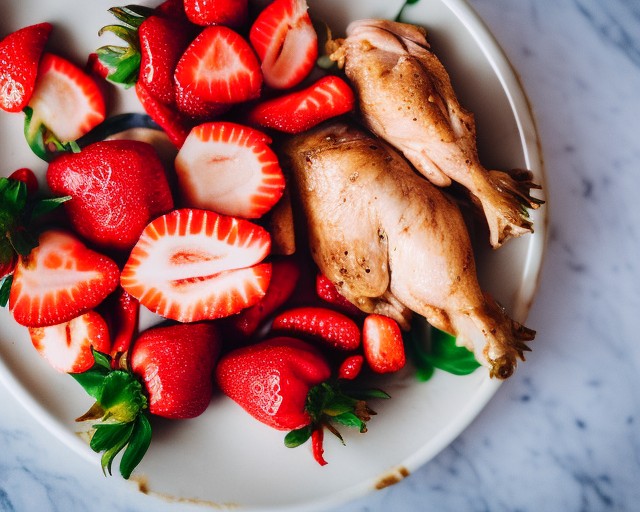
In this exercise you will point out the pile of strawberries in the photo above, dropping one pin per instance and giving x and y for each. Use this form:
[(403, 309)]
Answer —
[(190, 243)]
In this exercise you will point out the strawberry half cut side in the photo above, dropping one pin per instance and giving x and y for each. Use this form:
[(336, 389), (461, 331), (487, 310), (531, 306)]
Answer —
[(20, 54), (229, 168), (60, 279), (192, 265), (286, 42)]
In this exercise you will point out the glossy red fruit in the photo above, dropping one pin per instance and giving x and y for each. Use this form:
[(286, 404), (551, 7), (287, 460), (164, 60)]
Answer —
[(324, 325), (231, 13), (176, 364), (351, 367), (219, 66), (230, 169), (28, 177), (383, 344), (66, 100), (327, 291), (192, 265), (67, 347), (298, 111), (286, 42), (20, 54), (59, 280), (117, 187), (124, 313), (284, 278), (271, 380)]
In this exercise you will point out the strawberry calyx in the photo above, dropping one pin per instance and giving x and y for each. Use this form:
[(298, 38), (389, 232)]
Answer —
[(329, 404), (18, 210), (123, 62), (120, 414), (42, 141)]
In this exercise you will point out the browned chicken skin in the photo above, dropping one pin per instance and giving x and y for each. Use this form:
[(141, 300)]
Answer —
[(406, 98), (393, 243)]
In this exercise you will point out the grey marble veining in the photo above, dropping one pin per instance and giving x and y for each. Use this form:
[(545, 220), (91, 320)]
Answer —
[(564, 433)]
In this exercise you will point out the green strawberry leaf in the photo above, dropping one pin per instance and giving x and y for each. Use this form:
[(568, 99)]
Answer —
[(44, 206), (107, 435), (5, 288), (349, 419), (116, 447), (122, 397), (298, 436), (139, 443)]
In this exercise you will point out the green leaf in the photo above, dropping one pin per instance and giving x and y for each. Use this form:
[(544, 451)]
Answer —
[(93, 380), (349, 419), (110, 454), (35, 134), (44, 206), (107, 435), (22, 241), (298, 436), (5, 288), (122, 397), (138, 445)]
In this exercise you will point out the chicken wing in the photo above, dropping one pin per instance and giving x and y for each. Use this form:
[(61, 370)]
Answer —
[(394, 244), (406, 98)]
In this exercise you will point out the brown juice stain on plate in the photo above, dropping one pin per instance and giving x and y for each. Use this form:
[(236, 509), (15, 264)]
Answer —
[(392, 478)]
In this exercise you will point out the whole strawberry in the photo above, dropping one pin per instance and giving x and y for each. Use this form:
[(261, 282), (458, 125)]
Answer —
[(116, 188), (169, 374), (284, 383)]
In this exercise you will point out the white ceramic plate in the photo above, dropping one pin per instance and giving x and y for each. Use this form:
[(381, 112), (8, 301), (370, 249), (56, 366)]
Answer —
[(225, 458)]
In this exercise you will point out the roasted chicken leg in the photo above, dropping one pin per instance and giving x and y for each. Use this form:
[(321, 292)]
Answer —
[(393, 243), (406, 98)]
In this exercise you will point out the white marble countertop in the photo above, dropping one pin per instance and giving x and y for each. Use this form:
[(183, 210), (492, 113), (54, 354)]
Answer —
[(563, 433)]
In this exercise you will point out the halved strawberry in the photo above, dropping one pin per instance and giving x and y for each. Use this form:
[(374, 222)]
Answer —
[(174, 123), (383, 344), (219, 66), (230, 169), (298, 111), (325, 325), (59, 280), (286, 42), (67, 346), (66, 102), (231, 13), (192, 265), (20, 54)]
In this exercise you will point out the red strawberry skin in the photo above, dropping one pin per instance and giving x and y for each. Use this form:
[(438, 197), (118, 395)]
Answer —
[(219, 66), (298, 111), (383, 344), (59, 280), (176, 364), (117, 187), (325, 325), (271, 380), (231, 13), (67, 346), (20, 54)]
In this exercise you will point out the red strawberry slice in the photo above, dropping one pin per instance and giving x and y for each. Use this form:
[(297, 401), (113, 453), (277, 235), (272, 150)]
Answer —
[(162, 43), (231, 13), (192, 265), (298, 111), (116, 188), (383, 344), (20, 54), (59, 280), (322, 324), (67, 346), (176, 364), (286, 42), (66, 100), (229, 168), (219, 66), (174, 123)]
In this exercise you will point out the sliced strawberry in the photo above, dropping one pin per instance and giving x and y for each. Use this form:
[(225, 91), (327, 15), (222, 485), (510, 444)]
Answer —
[(162, 43), (20, 54), (321, 324), (228, 168), (284, 278), (198, 108), (298, 111), (219, 66), (174, 123), (59, 280), (124, 313), (67, 346), (66, 100), (192, 265), (231, 13), (383, 344), (286, 42)]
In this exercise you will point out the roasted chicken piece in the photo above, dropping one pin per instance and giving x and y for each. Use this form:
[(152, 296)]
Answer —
[(393, 243), (406, 98)]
